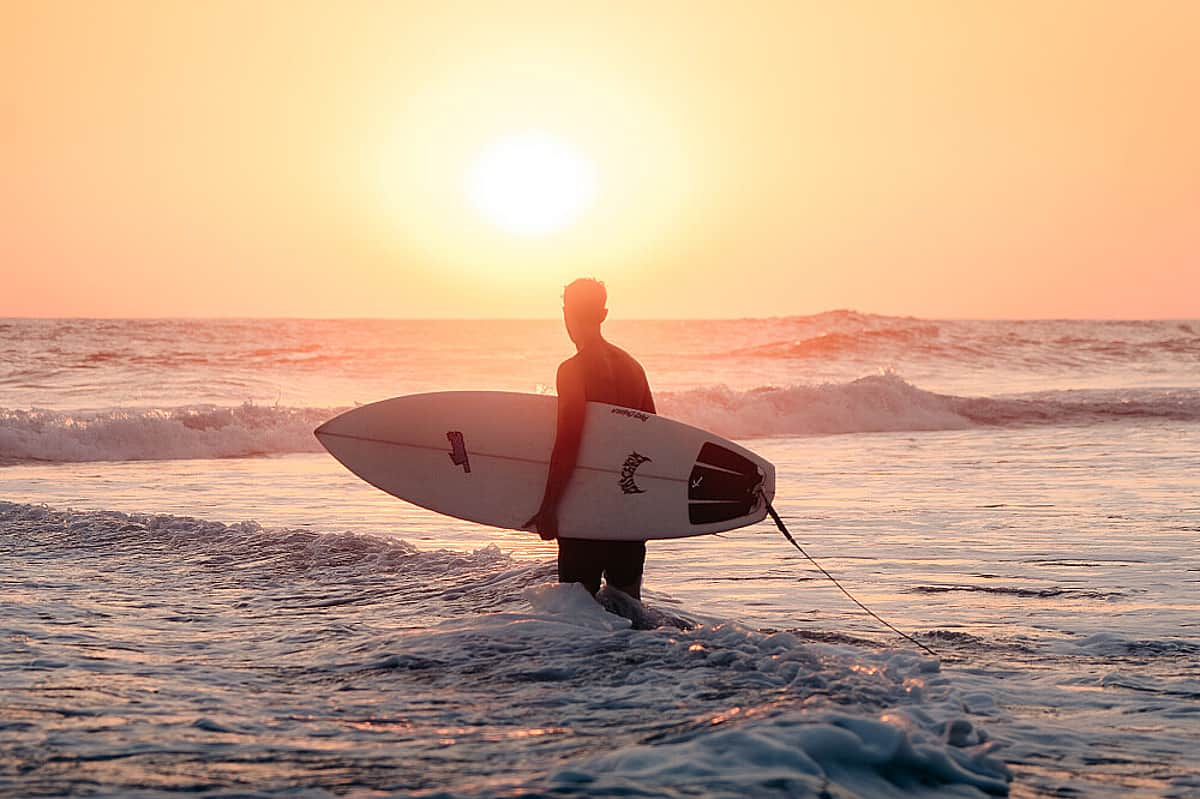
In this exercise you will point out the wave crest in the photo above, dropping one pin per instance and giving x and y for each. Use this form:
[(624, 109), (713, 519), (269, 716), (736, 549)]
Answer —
[(835, 343), (879, 403)]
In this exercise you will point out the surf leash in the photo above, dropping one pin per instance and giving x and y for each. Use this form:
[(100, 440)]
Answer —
[(783, 529)]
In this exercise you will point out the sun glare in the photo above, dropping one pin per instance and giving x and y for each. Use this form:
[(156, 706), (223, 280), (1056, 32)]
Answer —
[(531, 184)]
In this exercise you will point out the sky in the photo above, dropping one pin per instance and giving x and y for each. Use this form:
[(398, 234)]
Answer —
[(310, 159)]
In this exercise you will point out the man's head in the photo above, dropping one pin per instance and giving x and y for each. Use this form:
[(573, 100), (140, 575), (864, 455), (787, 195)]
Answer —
[(584, 308)]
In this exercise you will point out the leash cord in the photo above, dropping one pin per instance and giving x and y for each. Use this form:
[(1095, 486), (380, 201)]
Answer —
[(783, 529)]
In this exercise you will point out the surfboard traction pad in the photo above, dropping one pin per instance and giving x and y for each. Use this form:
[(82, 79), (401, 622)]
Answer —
[(723, 485)]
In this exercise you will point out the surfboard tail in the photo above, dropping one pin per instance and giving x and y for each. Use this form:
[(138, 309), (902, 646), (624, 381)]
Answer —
[(724, 485)]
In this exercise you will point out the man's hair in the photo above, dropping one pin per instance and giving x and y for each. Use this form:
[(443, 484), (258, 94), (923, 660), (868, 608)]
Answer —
[(586, 297)]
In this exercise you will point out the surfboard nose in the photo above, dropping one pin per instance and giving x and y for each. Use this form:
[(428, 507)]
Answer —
[(330, 426), (325, 429)]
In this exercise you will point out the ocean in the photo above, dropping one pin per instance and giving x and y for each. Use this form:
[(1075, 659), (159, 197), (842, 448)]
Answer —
[(197, 599)]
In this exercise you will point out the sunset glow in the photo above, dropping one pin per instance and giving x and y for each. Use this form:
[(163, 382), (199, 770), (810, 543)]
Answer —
[(943, 160)]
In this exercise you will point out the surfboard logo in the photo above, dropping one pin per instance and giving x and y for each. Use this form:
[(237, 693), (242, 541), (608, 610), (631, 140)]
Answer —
[(628, 486), (458, 450)]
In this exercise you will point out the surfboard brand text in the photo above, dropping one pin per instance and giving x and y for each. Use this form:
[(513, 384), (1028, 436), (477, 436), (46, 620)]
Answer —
[(631, 413), (458, 450), (627, 471)]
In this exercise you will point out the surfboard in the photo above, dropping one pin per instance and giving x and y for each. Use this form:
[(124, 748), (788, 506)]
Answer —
[(483, 456)]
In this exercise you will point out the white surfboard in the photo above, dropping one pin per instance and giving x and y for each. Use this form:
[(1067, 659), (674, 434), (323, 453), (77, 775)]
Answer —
[(483, 456)]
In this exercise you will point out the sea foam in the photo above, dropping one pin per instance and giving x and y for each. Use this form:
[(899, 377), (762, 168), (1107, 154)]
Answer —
[(403, 655)]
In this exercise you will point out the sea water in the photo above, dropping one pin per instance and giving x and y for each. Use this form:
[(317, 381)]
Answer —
[(197, 600)]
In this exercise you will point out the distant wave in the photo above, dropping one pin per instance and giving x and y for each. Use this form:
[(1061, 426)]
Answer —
[(838, 343), (303, 355), (847, 334), (878, 403)]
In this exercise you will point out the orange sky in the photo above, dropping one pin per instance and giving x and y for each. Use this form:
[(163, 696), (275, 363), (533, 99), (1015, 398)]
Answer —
[(940, 159)]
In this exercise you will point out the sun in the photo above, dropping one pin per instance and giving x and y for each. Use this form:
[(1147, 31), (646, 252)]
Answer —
[(531, 184)]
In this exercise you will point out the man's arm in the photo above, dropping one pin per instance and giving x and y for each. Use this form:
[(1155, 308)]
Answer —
[(572, 405)]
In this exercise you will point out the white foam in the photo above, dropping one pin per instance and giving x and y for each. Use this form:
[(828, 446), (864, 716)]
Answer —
[(158, 434), (799, 754), (572, 604)]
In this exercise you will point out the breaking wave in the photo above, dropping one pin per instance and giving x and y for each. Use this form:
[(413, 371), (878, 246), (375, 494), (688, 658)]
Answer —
[(878, 403), (158, 434), (888, 403)]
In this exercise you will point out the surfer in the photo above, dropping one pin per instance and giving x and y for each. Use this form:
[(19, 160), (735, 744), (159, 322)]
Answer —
[(598, 372)]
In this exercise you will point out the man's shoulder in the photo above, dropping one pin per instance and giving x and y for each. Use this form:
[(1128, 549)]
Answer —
[(571, 364), (588, 360), (571, 369), (620, 353)]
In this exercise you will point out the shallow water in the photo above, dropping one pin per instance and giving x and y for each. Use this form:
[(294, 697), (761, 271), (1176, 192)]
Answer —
[(156, 640)]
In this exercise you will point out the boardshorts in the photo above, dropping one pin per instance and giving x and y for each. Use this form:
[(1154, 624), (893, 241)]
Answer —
[(583, 560)]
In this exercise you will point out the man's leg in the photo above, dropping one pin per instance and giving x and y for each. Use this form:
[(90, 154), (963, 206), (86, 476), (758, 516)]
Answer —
[(579, 562), (624, 563)]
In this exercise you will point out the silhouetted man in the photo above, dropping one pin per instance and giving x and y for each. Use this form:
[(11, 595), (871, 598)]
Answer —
[(598, 372)]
